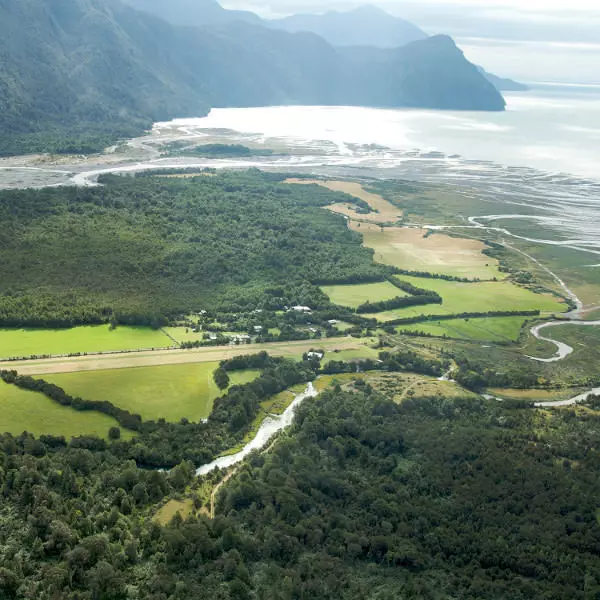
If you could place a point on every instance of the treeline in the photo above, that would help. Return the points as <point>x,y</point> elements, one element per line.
<point>215,150</point>
<point>261,360</point>
<point>399,361</point>
<point>428,275</point>
<point>399,302</point>
<point>57,394</point>
<point>465,315</point>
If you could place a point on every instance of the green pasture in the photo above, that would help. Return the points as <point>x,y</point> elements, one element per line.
<point>23,410</point>
<point>353,296</point>
<point>355,354</point>
<point>170,392</point>
<point>492,329</point>
<point>478,297</point>
<point>92,338</point>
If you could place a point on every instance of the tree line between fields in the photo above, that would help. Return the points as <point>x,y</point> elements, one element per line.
<point>362,498</point>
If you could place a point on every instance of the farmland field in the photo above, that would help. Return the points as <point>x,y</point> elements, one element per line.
<point>475,297</point>
<point>92,338</point>
<point>416,250</point>
<point>386,212</point>
<point>171,392</point>
<point>23,410</point>
<point>355,295</point>
<point>491,329</point>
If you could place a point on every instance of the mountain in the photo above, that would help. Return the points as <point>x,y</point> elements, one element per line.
<point>194,12</point>
<point>97,69</point>
<point>364,26</point>
<point>503,84</point>
<point>370,26</point>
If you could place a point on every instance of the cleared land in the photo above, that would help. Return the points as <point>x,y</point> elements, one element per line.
<point>491,329</point>
<point>92,338</point>
<point>355,295</point>
<point>415,250</point>
<point>170,392</point>
<point>171,357</point>
<point>398,386</point>
<point>478,297</point>
<point>386,212</point>
<point>33,412</point>
<point>185,508</point>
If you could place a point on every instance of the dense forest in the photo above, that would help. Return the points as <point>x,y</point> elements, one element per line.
<point>146,249</point>
<point>361,498</point>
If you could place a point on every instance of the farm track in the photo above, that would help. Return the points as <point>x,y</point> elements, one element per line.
<point>168,357</point>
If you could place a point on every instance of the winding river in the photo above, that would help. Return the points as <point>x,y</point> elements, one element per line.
<point>270,426</point>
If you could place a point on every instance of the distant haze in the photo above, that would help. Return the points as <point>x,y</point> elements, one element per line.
<point>532,40</point>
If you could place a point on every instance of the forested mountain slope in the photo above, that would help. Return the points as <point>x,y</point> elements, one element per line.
<point>100,68</point>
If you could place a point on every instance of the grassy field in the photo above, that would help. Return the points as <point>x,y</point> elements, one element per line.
<point>364,352</point>
<point>416,250</point>
<point>355,295</point>
<point>475,297</point>
<point>171,392</point>
<point>185,508</point>
<point>93,338</point>
<point>386,212</point>
<point>33,412</point>
<point>493,329</point>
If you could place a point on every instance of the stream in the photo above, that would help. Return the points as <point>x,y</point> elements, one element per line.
<point>270,426</point>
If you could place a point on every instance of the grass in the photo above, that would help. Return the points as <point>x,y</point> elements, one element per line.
<point>279,403</point>
<point>418,250</point>
<point>345,355</point>
<point>185,508</point>
<point>475,297</point>
<point>353,296</point>
<point>183,334</point>
<point>90,339</point>
<point>171,392</point>
<point>23,410</point>
<point>386,212</point>
<point>402,386</point>
<point>492,329</point>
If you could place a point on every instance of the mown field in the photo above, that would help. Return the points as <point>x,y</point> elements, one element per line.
<point>491,329</point>
<point>355,295</point>
<point>92,338</point>
<point>170,392</point>
<point>421,250</point>
<point>33,412</point>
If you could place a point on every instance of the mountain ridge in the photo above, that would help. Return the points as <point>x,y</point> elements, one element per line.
<point>98,70</point>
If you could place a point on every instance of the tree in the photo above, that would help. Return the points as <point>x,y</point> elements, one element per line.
<point>114,433</point>
<point>221,378</point>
